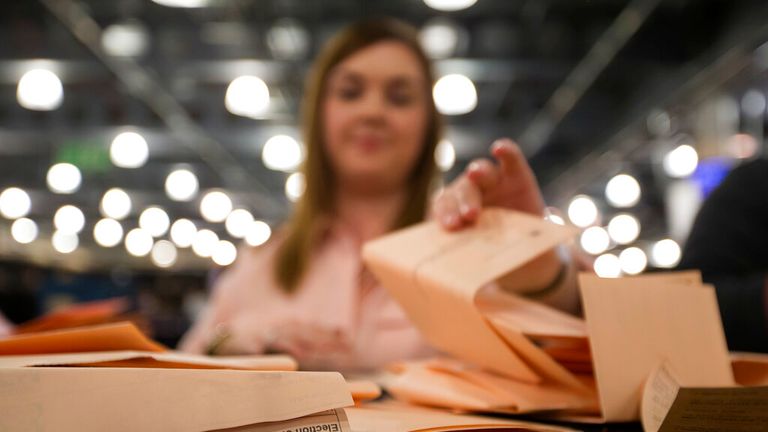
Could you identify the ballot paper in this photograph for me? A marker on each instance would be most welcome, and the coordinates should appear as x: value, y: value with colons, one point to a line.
x: 148, y: 399
x: 105, y: 337
x: 427, y: 265
x: 392, y: 416
x: 168, y: 359
x: 668, y: 407
x: 445, y: 282
x: 634, y: 323
x: 50, y: 388
x: 326, y: 421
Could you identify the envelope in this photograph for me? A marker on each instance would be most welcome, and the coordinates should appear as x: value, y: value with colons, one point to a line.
x: 437, y: 276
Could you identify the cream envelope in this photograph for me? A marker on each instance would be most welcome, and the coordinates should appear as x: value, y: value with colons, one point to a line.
x: 635, y: 323
x: 450, y: 383
x: 143, y: 399
x: 436, y: 276
x: 167, y: 359
x: 391, y: 416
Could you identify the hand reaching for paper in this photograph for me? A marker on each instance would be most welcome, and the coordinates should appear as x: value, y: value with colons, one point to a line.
x: 509, y: 183
x: 307, y: 343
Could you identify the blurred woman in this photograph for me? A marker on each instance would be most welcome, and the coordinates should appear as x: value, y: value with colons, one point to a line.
x: 371, y: 127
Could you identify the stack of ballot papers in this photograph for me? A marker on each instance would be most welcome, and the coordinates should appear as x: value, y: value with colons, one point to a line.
x: 506, y: 353
x: 111, y: 377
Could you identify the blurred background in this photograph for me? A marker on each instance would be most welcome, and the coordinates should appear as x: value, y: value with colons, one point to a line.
x: 142, y: 142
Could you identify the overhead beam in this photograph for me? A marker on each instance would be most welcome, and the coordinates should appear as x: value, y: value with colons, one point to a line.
x: 584, y: 74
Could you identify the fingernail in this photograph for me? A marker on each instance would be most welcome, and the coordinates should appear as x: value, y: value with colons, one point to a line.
x: 449, y: 220
x: 466, y: 209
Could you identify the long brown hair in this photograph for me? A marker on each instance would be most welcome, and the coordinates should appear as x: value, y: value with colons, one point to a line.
x: 316, y: 205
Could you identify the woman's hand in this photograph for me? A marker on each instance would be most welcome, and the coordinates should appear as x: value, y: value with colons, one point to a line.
x: 510, y: 183
x: 307, y: 342
x: 301, y: 340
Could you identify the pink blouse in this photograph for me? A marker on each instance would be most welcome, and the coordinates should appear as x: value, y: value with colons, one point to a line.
x: 336, y: 293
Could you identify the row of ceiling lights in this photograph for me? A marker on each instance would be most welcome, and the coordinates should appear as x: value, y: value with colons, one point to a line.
x: 441, y: 5
x: 247, y: 95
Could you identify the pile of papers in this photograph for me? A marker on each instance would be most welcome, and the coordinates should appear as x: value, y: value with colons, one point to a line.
x: 509, y: 354
x: 111, y: 377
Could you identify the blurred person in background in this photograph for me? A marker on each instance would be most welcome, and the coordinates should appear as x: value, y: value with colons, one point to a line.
x: 371, y: 127
x: 729, y: 244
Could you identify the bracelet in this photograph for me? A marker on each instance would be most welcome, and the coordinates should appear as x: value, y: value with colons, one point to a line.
x: 552, y: 286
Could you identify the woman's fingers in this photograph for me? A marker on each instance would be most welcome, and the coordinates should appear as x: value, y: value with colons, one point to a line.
x: 484, y: 174
x: 445, y: 208
x: 512, y: 162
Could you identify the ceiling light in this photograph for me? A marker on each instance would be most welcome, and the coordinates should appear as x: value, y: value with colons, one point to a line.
x: 24, y: 230
x: 138, y: 242
x: 633, y: 260
x: 69, y: 219
x: 287, y: 39
x: 594, y: 240
x: 624, y: 228
x: 126, y: 39
x: 665, y: 253
x: 40, y: 90
x: 64, y: 242
x: 449, y: 5
x: 753, y: 103
x: 164, y: 254
x: 258, y: 233
x: 445, y: 155
x: 63, y: 178
x: 282, y: 153
x: 181, y: 185
x: 224, y: 253
x: 108, y: 232
x: 129, y: 150
x: 238, y: 222
x: 607, y: 266
x: 455, y: 94
x: 440, y: 38
x: 183, y: 233
x: 14, y: 203
x: 247, y: 96
x: 183, y: 3
x: 204, y: 243
x: 154, y: 221
x: 582, y: 211
x: 294, y: 186
x: 681, y: 162
x: 115, y: 204
x: 215, y: 206
x: 622, y: 191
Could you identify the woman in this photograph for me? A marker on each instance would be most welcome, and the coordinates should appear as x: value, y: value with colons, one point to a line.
x: 371, y: 128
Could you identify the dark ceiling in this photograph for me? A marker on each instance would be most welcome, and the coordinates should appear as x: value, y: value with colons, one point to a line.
x: 562, y: 76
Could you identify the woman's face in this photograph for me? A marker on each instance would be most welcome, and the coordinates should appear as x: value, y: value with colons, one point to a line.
x: 375, y: 115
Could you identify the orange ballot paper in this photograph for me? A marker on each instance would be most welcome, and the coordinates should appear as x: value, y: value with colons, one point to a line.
x: 148, y: 399
x: 444, y: 282
x: 635, y: 323
x: 516, y: 355
x: 119, y: 380
x: 437, y: 276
